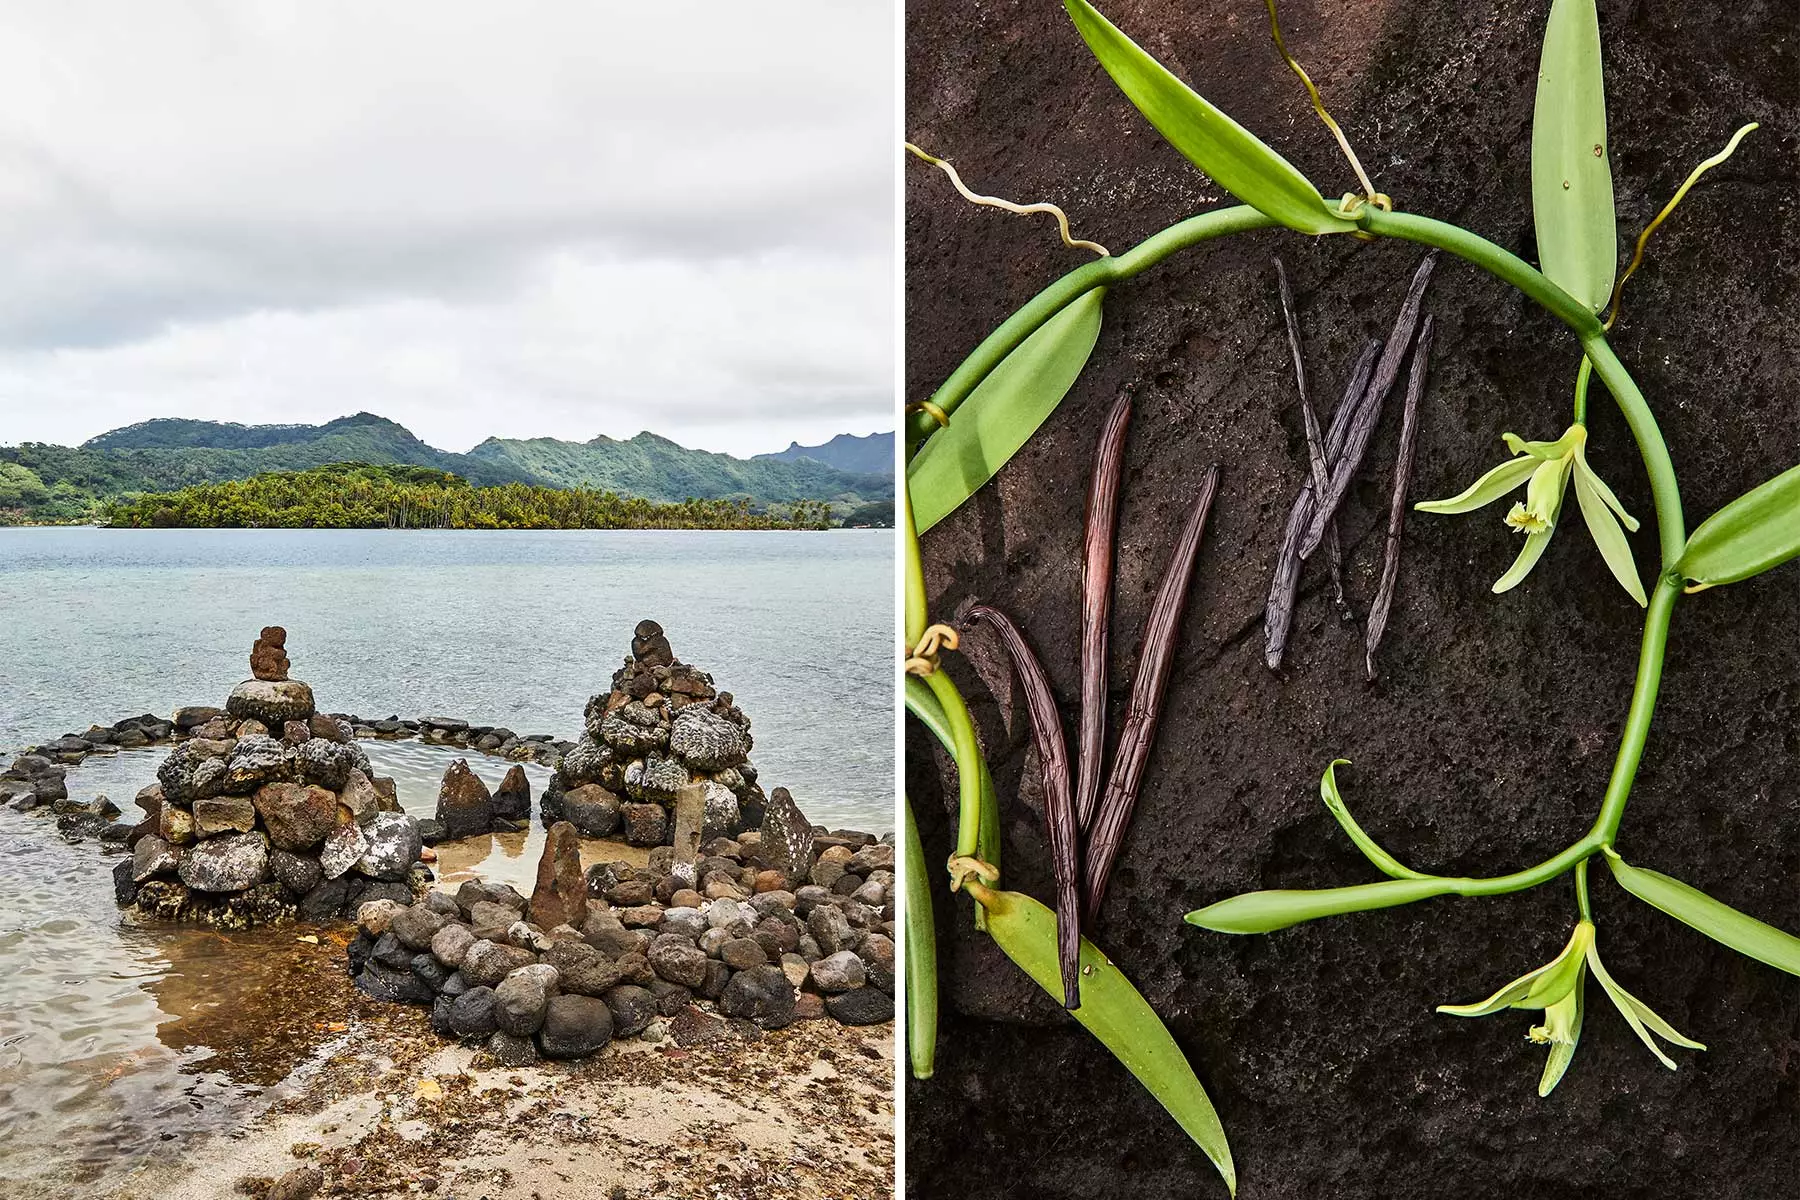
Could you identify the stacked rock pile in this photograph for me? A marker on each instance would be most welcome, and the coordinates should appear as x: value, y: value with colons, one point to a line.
x: 466, y: 808
x: 662, y: 730
x: 636, y: 951
x: 266, y: 811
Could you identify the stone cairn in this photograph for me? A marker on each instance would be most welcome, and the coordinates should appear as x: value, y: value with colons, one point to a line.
x: 663, y: 742
x: 268, y: 810
x: 791, y: 923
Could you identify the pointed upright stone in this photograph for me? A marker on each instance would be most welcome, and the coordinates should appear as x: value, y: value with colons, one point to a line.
x: 561, y: 894
x: 464, y: 807
x: 513, y: 799
x: 787, y: 837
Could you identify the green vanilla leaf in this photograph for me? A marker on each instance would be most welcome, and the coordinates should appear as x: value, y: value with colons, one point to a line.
x: 1716, y: 919
x: 1209, y: 139
x: 1002, y: 413
x: 921, y: 958
x: 1113, y: 1011
x: 1758, y: 530
x: 1265, y: 912
x: 1571, y: 174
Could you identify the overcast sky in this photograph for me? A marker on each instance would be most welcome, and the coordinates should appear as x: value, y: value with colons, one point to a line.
x: 501, y: 218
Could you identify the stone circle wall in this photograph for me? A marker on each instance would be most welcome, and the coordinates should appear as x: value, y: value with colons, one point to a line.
x: 624, y: 951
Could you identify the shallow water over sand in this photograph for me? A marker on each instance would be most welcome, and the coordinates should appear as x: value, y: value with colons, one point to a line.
x: 118, y: 1043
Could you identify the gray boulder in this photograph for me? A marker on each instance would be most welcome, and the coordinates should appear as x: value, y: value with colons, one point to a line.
x: 472, y: 1013
x: 762, y: 995
x: 225, y: 864
x: 522, y: 999
x: 704, y: 740
x: 575, y: 1026
x: 343, y: 849
x: 274, y: 702
x: 394, y: 846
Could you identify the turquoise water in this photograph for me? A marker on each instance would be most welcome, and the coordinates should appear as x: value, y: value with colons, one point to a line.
x: 120, y: 1045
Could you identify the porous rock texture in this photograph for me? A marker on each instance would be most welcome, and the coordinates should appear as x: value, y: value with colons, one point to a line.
x: 612, y: 954
x: 661, y: 729
x: 1487, y: 743
x: 259, y: 823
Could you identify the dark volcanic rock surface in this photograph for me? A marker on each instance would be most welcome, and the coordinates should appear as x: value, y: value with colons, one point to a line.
x: 1487, y: 744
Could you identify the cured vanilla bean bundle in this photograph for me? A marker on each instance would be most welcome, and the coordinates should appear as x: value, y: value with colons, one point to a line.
x: 1059, y: 811
x: 1403, y: 463
x: 1368, y: 414
x: 1315, y: 449
x: 1278, y: 616
x: 1096, y: 604
x: 1161, y: 632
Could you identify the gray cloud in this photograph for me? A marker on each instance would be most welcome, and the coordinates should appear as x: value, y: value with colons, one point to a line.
x: 513, y: 218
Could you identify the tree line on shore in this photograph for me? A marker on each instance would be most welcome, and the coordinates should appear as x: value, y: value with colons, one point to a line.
x: 364, y: 496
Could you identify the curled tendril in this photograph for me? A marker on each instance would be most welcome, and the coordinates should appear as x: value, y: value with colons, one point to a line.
x: 925, y: 406
x: 923, y: 659
x: 963, y: 866
x: 1637, y: 257
x: 1370, y: 195
x: 1024, y: 210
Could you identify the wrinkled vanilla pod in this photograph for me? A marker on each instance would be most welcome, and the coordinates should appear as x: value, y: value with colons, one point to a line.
x: 1059, y: 811
x: 1368, y: 413
x: 1409, y: 437
x: 1161, y: 632
x: 1278, y: 616
x: 1315, y: 448
x: 1096, y: 605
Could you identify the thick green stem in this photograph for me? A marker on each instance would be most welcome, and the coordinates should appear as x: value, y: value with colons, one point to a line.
x: 921, y: 957
x: 1582, y: 376
x: 1053, y: 299
x: 1581, y: 894
x: 917, y: 611
x: 1665, y: 493
x: 1643, y: 704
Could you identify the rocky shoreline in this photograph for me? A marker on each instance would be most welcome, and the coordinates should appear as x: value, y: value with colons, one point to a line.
x: 746, y: 918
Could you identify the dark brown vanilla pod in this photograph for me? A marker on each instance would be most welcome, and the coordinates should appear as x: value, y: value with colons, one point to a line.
x: 1161, y: 632
x: 1315, y: 448
x: 1368, y: 412
x: 1096, y: 604
x: 1403, y: 464
x: 1059, y: 810
x: 1278, y: 616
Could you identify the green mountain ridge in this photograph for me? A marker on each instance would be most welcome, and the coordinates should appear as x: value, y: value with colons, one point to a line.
x: 45, y: 482
x: 656, y: 468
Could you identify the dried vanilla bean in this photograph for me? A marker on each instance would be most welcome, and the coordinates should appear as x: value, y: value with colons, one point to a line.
x: 1409, y: 436
x: 1161, y: 632
x: 1096, y: 604
x: 1368, y: 413
x: 1315, y: 449
x: 1059, y: 811
x: 1278, y: 617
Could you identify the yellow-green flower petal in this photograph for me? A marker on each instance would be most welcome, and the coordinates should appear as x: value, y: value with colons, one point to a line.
x: 1573, y: 437
x: 1489, y: 488
x: 1637, y: 1014
x: 1528, y: 557
x: 1544, y: 494
x: 1605, y: 493
x: 1563, y: 1031
x: 1609, y: 537
x: 1538, y: 988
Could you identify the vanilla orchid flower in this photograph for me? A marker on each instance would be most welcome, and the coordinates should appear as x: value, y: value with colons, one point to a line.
x: 1546, y: 468
x: 1556, y: 988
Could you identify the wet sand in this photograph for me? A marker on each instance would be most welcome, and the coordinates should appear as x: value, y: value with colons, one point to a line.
x: 804, y: 1113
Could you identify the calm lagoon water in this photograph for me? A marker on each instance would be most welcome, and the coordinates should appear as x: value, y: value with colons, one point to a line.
x: 120, y: 1045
